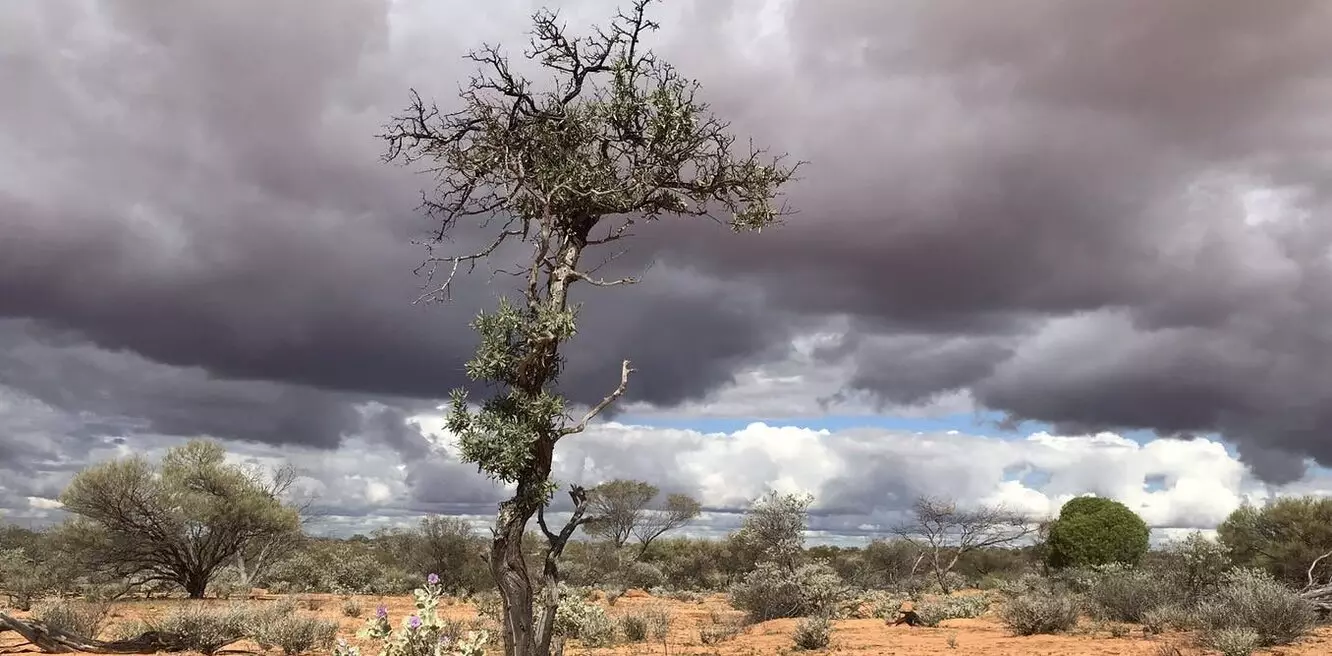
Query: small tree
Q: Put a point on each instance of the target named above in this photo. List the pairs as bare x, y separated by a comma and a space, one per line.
680, 509
617, 139
944, 532
620, 509
616, 508
1096, 531
1286, 538
775, 527
178, 522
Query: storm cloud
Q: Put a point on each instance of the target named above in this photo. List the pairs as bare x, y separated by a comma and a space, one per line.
1102, 215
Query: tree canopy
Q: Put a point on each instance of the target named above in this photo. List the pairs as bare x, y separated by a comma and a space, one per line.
1096, 531
179, 521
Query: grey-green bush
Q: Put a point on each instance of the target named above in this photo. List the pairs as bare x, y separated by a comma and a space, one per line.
1033, 613
933, 612
207, 629
297, 634
1233, 641
770, 591
813, 633
1126, 595
80, 618
1252, 599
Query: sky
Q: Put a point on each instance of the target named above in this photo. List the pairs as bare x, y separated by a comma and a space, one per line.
1042, 250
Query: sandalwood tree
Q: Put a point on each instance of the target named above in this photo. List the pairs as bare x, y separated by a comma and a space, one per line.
615, 137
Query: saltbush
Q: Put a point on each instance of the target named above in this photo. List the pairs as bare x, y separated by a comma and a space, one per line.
297, 634
934, 611
1126, 595
1252, 599
576, 617
1035, 613
813, 633
771, 591
83, 619
654, 623
207, 629
1240, 641
351, 608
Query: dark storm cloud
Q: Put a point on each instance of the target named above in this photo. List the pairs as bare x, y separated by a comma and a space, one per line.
1034, 204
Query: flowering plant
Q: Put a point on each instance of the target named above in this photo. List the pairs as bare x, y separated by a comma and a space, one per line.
423, 633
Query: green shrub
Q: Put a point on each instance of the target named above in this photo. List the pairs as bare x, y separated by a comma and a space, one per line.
1252, 599
813, 633
207, 629
1035, 613
1240, 641
933, 612
1096, 531
770, 592
422, 634
578, 618
297, 634
83, 619
1127, 595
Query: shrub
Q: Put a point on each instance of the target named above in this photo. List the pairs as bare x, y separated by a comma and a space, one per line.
422, 634
83, 619
813, 633
297, 634
1240, 641
578, 618
1169, 616
933, 612
1035, 613
351, 608
1193, 566
1096, 531
1252, 599
642, 575
1127, 595
720, 628
207, 629
770, 591
654, 623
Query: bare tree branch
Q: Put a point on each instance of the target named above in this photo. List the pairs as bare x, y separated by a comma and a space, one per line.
601, 406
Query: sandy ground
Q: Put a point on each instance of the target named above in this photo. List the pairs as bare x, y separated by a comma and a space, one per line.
974, 637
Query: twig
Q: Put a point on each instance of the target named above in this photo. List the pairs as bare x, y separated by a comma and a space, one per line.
619, 390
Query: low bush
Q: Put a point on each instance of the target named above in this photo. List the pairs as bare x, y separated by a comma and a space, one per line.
653, 623
1170, 616
770, 592
1252, 599
813, 633
579, 618
1036, 613
1240, 641
297, 634
351, 608
80, 618
207, 629
1127, 595
933, 612
720, 628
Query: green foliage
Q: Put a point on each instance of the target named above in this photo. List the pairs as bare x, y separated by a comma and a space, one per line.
297, 634
1126, 595
934, 611
770, 592
578, 618
180, 521
1241, 641
1194, 566
813, 633
1096, 531
774, 527
1283, 538
423, 633
208, 629
1039, 612
1252, 599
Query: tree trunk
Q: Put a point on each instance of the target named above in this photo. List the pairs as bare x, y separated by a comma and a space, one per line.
508, 564
196, 586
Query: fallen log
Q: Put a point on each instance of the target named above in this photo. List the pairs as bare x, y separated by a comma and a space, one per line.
55, 641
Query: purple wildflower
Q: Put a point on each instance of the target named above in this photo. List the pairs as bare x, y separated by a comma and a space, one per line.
382, 612
433, 579
414, 622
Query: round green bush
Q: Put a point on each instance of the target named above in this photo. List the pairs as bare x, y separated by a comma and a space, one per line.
1096, 531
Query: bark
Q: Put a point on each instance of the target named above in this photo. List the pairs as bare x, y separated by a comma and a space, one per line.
54, 641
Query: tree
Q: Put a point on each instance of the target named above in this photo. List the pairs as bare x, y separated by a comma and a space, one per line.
616, 508
1096, 531
257, 557
445, 546
680, 510
1285, 538
620, 509
774, 528
178, 522
945, 533
618, 138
